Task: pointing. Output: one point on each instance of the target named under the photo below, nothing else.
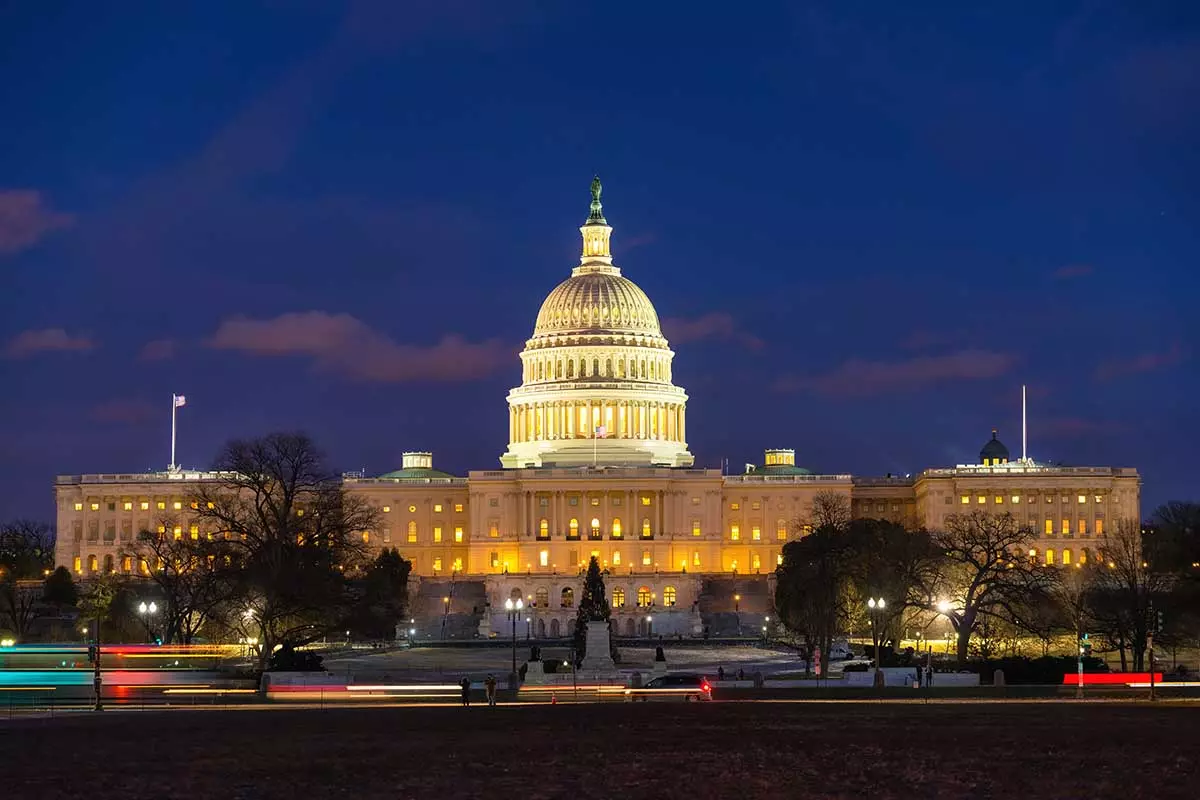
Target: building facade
(597, 465)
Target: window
(366, 537)
(1049, 527)
(999, 500)
(95, 506)
(646, 527)
(695, 501)
(643, 596)
(981, 499)
(616, 501)
(595, 501)
(1049, 557)
(458, 565)
(194, 531)
(544, 558)
(1015, 499)
(695, 527)
(78, 560)
(543, 501)
(93, 565)
(128, 506)
(493, 529)
(568, 597)
(618, 598)
(965, 499)
(437, 507)
(616, 558)
(412, 532)
(541, 598)
(79, 506)
(177, 505)
(735, 532)
(1066, 526)
(112, 506)
(1066, 558)
(412, 509)
(645, 499)
(458, 507)
(573, 527)
(669, 596)
(145, 505)
(755, 534)
(1099, 527)
(573, 501)
(1081, 526)
(647, 558)
(544, 528)
(756, 505)
(735, 506)
(162, 505)
(1082, 499)
(437, 564)
(437, 534)
(595, 532)
(695, 558)
(458, 534)
(755, 561)
(1099, 499)
(494, 559)
(178, 532)
(616, 528)
(387, 535)
(1083, 555)
(387, 509)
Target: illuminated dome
(596, 379)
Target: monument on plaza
(593, 643)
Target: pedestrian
(928, 677)
(465, 683)
(720, 673)
(490, 686)
(741, 675)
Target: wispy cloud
(344, 345)
(46, 340)
(1072, 271)
(719, 325)
(26, 218)
(157, 350)
(124, 412)
(861, 377)
(1142, 363)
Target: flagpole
(174, 409)
(595, 444)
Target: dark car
(689, 688)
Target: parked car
(689, 688)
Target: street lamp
(445, 614)
(649, 626)
(147, 611)
(514, 613)
(737, 609)
(875, 606)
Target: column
(682, 423)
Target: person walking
(720, 673)
(465, 683)
(490, 686)
(928, 676)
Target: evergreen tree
(593, 607)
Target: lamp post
(445, 614)
(514, 612)
(147, 611)
(649, 626)
(737, 610)
(875, 606)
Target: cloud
(718, 325)
(1073, 427)
(1071, 271)
(47, 340)
(26, 219)
(125, 412)
(859, 377)
(1146, 362)
(342, 344)
(157, 350)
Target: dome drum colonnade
(596, 378)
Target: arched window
(618, 599)
(539, 372)
(643, 369)
(616, 528)
(669, 596)
(1083, 555)
(621, 367)
(781, 530)
(541, 598)
(568, 597)
(595, 367)
(608, 370)
(595, 528)
(755, 562)
(1066, 557)
(108, 563)
(558, 368)
(412, 531)
(574, 527)
(647, 558)
(643, 597)
(543, 528)
(92, 564)
(515, 594)
(646, 527)
(1049, 556)
(616, 558)
(570, 369)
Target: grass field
(734, 750)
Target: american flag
(180, 400)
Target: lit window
(573, 527)
(494, 558)
(1016, 498)
(1066, 499)
(755, 534)
(437, 534)
(695, 527)
(437, 564)
(493, 530)
(544, 558)
(412, 509)
(162, 529)
(78, 561)
(647, 558)
(299, 512)
(544, 528)
(669, 596)
(595, 501)
(79, 506)
(412, 532)
(1083, 555)
(616, 528)
(618, 598)
(643, 596)
(695, 558)
(645, 500)
(567, 597)
(145, 505)
(387, 535)
(458, 534)
(646, 526)
(755, 561)
(177, 505)
(980, 499)
(1049, 527)
(695, 501)
(95, 506)
(1099, 527)
(616, 558)
(999, 500)
(128, 506)
(779, 559)
(209, 505)
(735, 506)
(756, 505)
(1049, 557)
(194, 532)
(1081, 526)
(735, 532)
(781, 530)
(1099, 499)
(366, 537)
(1082, 499)
(1066, 526)
(458, 565)
(93, 564)
(178, 532)
(437, 507)
(162, 505)
(595, 528)
(194, 505)
(1066, 557)
(387, 509)
(965, 499)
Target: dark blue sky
(864, 225)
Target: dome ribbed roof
(993, 451)
(597, 302)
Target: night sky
(864, 226)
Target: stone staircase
(456, 620)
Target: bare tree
(292, 537)
(26, 549)
(188, 573)
(830, 509)
(984, 572)
(1124, 592)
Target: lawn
(735, 750)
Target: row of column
(663, 513)
(621, 419)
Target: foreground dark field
(737, 750)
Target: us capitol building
(597, 464)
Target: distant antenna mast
(1024, 428)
